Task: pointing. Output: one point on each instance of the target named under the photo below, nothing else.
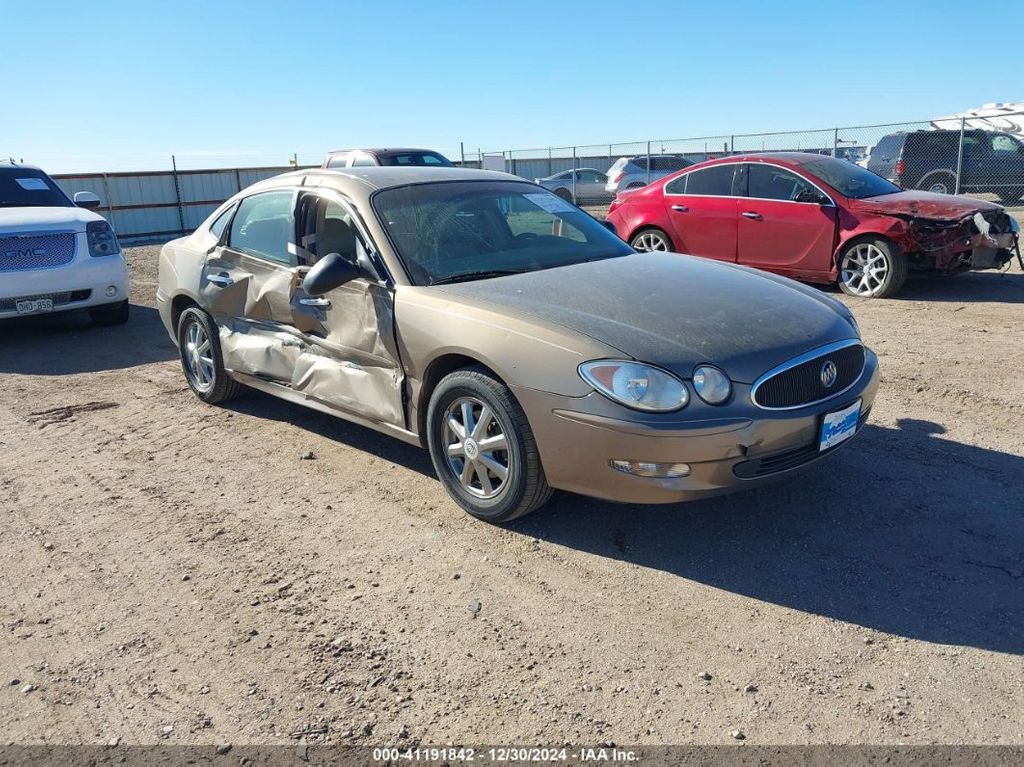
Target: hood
(923, 205)
(673, 311)
(31, 219)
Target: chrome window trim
(831, 200)
(801, 359)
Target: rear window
(428, 159)
(30, 188)
(888, 146)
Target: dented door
(247, 286)
(349, 357)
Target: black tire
(893, 258)
(222, 387)
(565, 194)
(644, 239)
(108, 316)
(938, 182)
(525, 488)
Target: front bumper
(729, 448)
(82, 284)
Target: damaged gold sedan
(514, 336)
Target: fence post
(177, 193)
(835, 143)
(550, 172)
(960, 156)
(732, 144)
(110, 202)
(648, 162)
(574, 175)
(238, 179)
(462, 153)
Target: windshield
(28, 188)
(456, 231)
(850, 180)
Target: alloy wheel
(476, 447)
(864, 269)
(198, 355)
(650, 240)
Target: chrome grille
(799, 382)
(36, 251)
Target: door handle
(321, 302)
(223, 279)
(752, 215)
(680, 208)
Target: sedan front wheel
(482, 447)
(872, 269)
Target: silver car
(633, 172)
(590, 185)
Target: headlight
(711, 384)
(636, 385)
(102, 241)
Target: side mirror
(87, 200)
(812, 196)
(330, 272)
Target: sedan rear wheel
(201, 358)
(651, 239)
(872, 269)
(483, 448)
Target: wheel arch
(437, 369)
(644, 227)
(179, 304)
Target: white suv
(55, 256)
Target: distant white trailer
(1008, 118)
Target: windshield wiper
(481, 275)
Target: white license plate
(839, 426)
(35, 306)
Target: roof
(387, 176)
(794, 158)
(384, 150)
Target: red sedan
(814, 218)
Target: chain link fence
(976, 156)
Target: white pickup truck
(55, 254)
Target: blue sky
(118, 84)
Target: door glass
(217, 227)
(335, 232)
(363, 161)
(338, 161)
(716, 181)
(767, 182)
(263, 226)
(1003, 143)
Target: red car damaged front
(942, 232)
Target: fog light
(649, 469)
(111, 291)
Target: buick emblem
(829, 373)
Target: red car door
(786, 224)
(702, 211)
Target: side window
(716, 181)
(217, 227)
(333, 231)
(767, 182)
(1003, 143)
(264, 225)
(677, 185)
(338, 161)
(363, 160)
(592, 177)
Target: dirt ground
(175, 572)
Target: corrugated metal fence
(143, 206)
